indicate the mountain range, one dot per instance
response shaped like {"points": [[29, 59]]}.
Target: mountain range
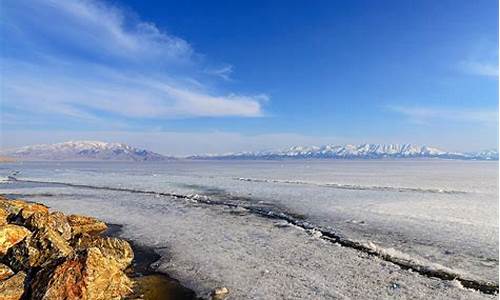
{"points": [[364, 151], [102, 151], [83, 151]]}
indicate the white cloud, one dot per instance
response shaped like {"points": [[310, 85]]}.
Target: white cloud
{"points": [[428, 114], [38, 89], [85, 58]]}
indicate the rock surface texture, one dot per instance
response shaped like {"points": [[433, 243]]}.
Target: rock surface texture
{"points": [[47, 255]]}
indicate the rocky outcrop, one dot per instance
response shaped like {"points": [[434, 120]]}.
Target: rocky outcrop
{"points": [[21, 208], [83, 224], [47, 255], [10, 235], [87, 275], [58, 222], [38, 250], [112, 248]]}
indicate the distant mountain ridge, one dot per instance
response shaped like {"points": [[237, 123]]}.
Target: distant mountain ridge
{"points": [[83, 151], [364, 151], [102, 151]]}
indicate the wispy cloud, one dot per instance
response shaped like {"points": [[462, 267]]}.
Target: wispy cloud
{"points": [[425, 115], [481, 59], [82, 58], [223, 72], [480, 68]]}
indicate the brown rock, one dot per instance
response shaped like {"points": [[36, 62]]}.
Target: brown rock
{"points": [[64, 281], [21, 208], [23, 256], [56, 221], [5, 272], [83, 224], [31, 208], [12, 288], [94, 270], [10, 235], [38, 250], [87, 276], [37, 221], [113, 248], [104, 278], [59, 222], [12, 207]]}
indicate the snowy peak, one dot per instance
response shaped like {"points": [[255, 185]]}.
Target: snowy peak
{"points": [[83, 150], [364, 151], [402, 150]]}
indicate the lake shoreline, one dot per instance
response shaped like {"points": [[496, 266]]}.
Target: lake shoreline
{"points": [[157, 283]]}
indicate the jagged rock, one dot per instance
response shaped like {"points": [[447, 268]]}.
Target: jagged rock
{"points": [[13, 288], [31, 208], [44, 246], [87, 276], [59, 222], [83, 224], [10, 235], [23, 256], [36, 242], [12, 207], [219, 293], [22, 208], [114, 248], [5, 272], [56, 221], [36, 221]]}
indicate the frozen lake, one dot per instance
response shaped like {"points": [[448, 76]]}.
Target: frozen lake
{"points": [[440, 214]]}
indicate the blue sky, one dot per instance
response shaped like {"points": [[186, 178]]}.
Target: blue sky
{"points": [[183, 77]]}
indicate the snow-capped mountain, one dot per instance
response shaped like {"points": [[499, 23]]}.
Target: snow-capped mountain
{"points": [[365, 151], [485, 155], [83, 150]]}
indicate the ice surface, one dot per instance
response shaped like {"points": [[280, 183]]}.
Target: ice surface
{"points": [[207, 246]]}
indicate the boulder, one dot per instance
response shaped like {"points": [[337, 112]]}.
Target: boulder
{"points": [[21, 208], [31, 208], [89, 275], [11, 235], [36, 221], [13, 287], [5, 272], [59, 257], [12, 207], [83, 224], [38, 250], [56, 221], [113, 248], [59, 222]]}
